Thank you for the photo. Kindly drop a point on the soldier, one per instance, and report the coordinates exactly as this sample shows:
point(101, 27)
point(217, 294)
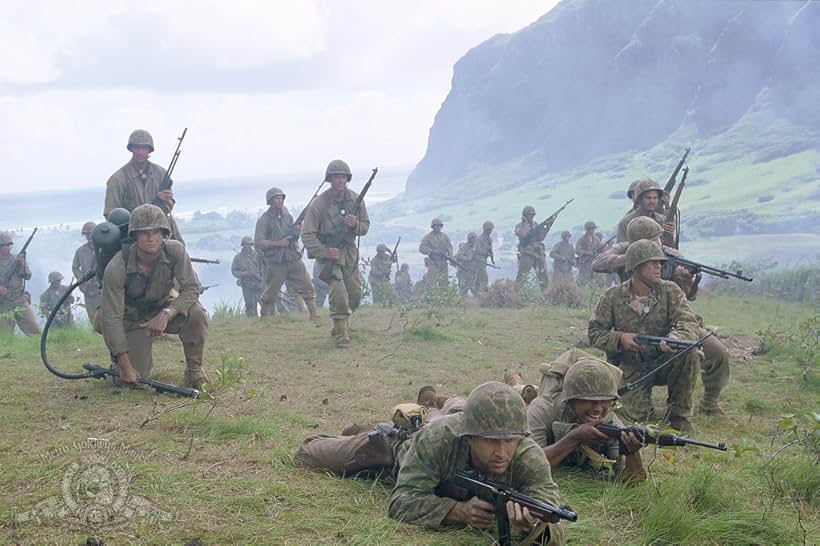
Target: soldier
point(404, 284)
point(586, 248)
point(489, 436)
point(647, 196)
point(52, 295)
point(563, 420)
point(482, 249)
point(646, 304)
point(533, 256)
point(15, 302)
point(716, 364)
point(247, 269)
point(85, 261)
point(137, 182)
point(329, 234)
point(437, 247)
point(379, 277)
point(563, 256)
point(281, 257)
point(630, 194)
point(466, 278)
point(137, 304)
point(319, 286)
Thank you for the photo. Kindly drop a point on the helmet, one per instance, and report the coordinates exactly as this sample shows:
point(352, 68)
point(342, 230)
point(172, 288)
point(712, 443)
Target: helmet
point(247, 241)
point(590, 225)
point(471, 236)
point(88, 227)
point(528, 211)
point(642, 227)
point(119, 216)
point(643, 186)
point(148, 217)
point(273, 192)
point(337, 166)
point(140, 137)
point(495, 410)
point(630, 193)
point(436, 222)
point(382, 248)
point(6, 238)
point(55, 276)
point(565, 233)
point(641, 252)
point(589, 379)
point(488, 226)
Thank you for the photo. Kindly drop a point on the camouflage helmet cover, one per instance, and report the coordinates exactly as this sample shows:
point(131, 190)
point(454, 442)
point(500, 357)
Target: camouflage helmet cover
point(247, 241)
point(488, 226)
point(630, 193)
point(6, 238)
point(436, 222)
point(382, 248)
point(55, 276)
point(641, 252)
point(589, 379)
point(140, 137)
point(642, 227)
point(337, 166)
point(147, 217)
point(273, 192)
point(590, 225)
point(528, 211)
point(495, 410)
point(88, 227)
point(643, 186)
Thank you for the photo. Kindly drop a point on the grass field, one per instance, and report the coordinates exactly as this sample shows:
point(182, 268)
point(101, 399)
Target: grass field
point(220, 471)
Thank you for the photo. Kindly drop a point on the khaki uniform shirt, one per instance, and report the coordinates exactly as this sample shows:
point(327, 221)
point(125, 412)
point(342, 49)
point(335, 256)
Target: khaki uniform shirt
point(536, 248)
point(247, 262)
point(48, 301)
point(436, 245)
point(380, 267)
point(85, 261)
point(586, 247)
point(563, 255)
point(131, 298)
point(16, 283)
point(324, 227)
point(273, 226)
point(483, 248)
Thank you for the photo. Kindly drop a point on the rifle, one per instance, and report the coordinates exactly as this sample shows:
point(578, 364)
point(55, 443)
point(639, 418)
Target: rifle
point(469, 483)
point(452, 261)
point(335, 240)
point(651, 435)
point(673, 261)
point(292, 232)
point(670, 184)
point(389, 431)
point(394, 256)
point(166, 182)
point(543, 226)
point(672, 214)
point(12, 270)
point(655, 341)
point(492, 265)
point(204, 288)
point(204, 261)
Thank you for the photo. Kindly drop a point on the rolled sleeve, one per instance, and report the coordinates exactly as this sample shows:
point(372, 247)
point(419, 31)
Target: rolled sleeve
point(189, 286)
point(113, 306)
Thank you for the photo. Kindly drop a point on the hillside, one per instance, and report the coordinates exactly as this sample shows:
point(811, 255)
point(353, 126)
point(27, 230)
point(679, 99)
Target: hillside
point(596, 94)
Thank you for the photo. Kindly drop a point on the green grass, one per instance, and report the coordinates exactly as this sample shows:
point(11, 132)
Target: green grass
point(223, 471)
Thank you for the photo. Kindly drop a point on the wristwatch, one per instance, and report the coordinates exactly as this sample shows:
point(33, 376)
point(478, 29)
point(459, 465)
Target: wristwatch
point(166, 311)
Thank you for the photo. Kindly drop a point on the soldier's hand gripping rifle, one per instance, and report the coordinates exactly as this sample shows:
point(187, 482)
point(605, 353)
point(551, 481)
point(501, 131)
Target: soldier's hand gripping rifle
point(12, 269)
point(167, 182)
point(451, 260)
point(292, 233)
point(469, 483)
point(673, 261)
point(335, 240)
point(540, 231)
point(655, 341)
point(672, 214)
point(651, 435)
point(670, 184)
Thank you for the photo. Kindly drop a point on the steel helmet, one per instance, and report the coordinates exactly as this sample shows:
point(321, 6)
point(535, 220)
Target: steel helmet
point(589, 379)
point(337, 166)
point(147, 217)
point(641, 252)
point(495, 410)
point(140, 137)
point(642, 227)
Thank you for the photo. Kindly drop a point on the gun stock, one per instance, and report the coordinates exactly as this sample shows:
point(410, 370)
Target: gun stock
point(670, 184)
point(651, 435)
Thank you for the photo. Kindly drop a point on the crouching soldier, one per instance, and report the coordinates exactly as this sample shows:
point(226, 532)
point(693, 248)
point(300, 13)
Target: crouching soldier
point(138, 305)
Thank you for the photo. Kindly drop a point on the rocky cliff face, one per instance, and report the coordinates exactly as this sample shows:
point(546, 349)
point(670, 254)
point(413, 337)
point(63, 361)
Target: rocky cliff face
point(597, 77)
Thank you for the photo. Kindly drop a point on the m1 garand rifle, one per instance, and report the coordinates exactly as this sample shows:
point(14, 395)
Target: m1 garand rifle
point(469, 483)
point(651, 435)
point(673, 215)
point(451, 260)
point(12, 269)
point(540, 231)
point(670, 184)
point(292, 233)
point(695, 268)
point(394, 254)
point(335, 240)
point(167, 182)
point(205, 261)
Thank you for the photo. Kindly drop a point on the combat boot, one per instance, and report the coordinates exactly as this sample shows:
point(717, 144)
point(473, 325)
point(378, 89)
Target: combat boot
point(428, 398)
point(342, 337)
point(314, 313)
point(709, 405)
point(195, 377)
point(681, 424)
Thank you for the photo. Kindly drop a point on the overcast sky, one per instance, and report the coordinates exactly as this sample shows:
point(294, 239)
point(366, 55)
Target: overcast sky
point(263, 86)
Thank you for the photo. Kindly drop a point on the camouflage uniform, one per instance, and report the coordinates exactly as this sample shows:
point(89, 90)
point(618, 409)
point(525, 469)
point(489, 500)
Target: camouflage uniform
point(15, 307)
point(247, 269)
point(563, 256)
point(466, 279)
point(482, 251)
point(533, 256)
point(404, 284)
point(381, 266)
point(281, 264)
point(664, 312)
point(323, 221)
point(130, 298)
point(436, 245)
point(49, 299)
point(319, 286)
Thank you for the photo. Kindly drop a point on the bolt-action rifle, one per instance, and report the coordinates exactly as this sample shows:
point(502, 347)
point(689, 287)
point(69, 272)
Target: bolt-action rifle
point(540, 231)
point(167, 182)
point(12, 269)
point(651, 435)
